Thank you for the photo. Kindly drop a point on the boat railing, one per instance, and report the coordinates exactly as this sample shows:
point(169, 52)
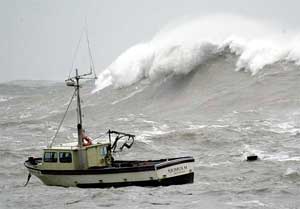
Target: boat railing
point(174, 161)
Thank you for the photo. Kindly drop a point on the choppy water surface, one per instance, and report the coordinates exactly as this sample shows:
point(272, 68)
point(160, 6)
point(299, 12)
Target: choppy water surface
point(213, 113)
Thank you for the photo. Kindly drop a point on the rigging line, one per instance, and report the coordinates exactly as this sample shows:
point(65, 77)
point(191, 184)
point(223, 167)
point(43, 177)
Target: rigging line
point(99, 136)
point(89, 48)
point(75, 53)
point(61, 122)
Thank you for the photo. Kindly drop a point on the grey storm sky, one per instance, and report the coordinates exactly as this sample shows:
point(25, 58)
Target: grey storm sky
point(38, 37)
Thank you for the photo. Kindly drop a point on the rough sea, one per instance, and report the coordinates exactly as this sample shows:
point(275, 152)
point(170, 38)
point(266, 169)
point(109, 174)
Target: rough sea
point(206, 108)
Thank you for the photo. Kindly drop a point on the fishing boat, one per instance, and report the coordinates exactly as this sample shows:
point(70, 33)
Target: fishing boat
point(88, 164)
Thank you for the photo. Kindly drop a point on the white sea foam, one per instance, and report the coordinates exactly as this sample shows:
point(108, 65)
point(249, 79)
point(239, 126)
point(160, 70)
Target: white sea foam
point(123, 119)
point(5, 98)
point(292, 172)
point(25, 115)
point(211, 165)
point(179, 48)
point(281, 157)
point(160, 130)
point(250, 203)
point(146, 135)
point(281, 128)
point(195, 127)
point(149, 121)
point(128, 96)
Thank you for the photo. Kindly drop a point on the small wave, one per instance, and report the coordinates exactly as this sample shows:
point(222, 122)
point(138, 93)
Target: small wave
point(279, 127)
point(128, 96)
point(145, 136)
point(281, 157)
point(149, 121)
point(123, 119)
point(196, 127)
point(213, 126)
point(211, 165)
point(73, 202)
point(10, 154)
point(160, 130)
point(292, 173)
point(160, 203)
point(285, 127)
point(252, 203)
point(25, 115)
point(5, 98)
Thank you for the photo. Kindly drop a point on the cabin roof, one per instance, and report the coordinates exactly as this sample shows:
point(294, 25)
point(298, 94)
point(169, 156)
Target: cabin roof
point(72, 146)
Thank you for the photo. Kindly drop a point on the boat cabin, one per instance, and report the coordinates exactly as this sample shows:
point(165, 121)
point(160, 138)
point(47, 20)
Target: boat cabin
point(67, 158)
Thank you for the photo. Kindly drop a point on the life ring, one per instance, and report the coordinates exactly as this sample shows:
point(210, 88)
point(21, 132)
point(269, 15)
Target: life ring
point(87, 141)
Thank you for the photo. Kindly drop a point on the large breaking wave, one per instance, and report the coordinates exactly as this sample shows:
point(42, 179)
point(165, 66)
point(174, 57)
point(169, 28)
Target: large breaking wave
point(181, 47)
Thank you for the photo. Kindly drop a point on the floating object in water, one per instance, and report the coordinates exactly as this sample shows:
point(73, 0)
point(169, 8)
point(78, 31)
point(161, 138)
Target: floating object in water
point(252, 158)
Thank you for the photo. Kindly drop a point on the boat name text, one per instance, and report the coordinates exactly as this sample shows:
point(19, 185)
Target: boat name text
point(177, 170)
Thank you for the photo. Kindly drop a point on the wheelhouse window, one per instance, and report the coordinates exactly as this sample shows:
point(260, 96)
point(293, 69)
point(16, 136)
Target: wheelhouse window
point(65, 157)
point(50, 157)
point(103, 151)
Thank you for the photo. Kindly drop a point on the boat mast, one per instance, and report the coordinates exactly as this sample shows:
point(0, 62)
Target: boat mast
point(79, 114)
point(81, 156)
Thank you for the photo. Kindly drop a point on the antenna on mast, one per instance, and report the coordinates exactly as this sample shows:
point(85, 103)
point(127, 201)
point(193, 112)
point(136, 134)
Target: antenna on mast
point(92, 66)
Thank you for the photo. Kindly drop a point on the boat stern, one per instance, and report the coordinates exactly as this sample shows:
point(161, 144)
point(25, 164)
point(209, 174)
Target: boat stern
point(176, 171)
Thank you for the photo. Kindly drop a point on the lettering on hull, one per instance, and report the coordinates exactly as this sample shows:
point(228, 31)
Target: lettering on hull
point(178, 170)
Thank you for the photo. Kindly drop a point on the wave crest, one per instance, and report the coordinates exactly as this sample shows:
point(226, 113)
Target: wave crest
point(180, 49)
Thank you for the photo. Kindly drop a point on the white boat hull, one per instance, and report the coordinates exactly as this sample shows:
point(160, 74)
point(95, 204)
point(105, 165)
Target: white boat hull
point(176, 171)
